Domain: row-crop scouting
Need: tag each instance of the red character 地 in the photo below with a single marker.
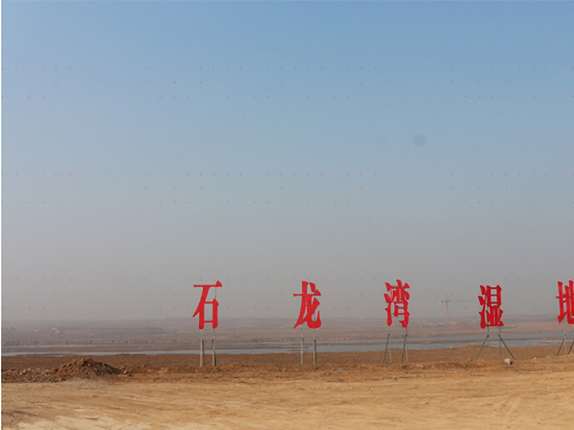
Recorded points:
(490, 300)
(201, 306)
(309, 304)
(566, 300)
(398, 297)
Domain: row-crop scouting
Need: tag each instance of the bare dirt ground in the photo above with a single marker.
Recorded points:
(437, 389)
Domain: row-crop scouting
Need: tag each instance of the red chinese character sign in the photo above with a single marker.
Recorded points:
(490, 300)
(201, 306)
(490, 316)
(566, 300)
(398, 302)
(309, 305)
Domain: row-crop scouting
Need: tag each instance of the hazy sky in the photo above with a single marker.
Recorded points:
(150, 146)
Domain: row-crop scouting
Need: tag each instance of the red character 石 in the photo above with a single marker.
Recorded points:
(309, 305)
(490, 300)
(398, 297)
(201, 306)
(566, 300)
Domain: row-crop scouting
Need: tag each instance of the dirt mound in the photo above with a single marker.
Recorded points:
(83, 368)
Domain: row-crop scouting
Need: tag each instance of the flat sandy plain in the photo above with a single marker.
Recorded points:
(437, 389)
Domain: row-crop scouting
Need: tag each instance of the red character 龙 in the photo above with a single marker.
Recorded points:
(309, 304)
(201, 306)
(398, 297)
(490, 301)
(566, 300)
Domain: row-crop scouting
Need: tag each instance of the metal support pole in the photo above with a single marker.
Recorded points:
(481, 346)
(571, 345)
(213, 348)
(314, 349)
(499, 343)
(562, 343)
(488, 345)
(386, 347)
(201, 346)
(404, 347)
(407, 334)
(502, 340)
(301, 345)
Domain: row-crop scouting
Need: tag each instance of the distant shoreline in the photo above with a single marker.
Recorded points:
(273, 347)
(184, 363)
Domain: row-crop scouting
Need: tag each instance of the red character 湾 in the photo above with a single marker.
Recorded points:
(309, 305)
(566, 300)
(398, 297)
(490, 315)
(201, 306)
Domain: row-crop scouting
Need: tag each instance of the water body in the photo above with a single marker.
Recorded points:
(355, 345)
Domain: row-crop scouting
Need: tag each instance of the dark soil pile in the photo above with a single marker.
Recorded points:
(83, 368)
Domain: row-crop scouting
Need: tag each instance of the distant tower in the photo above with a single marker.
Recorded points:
(446, 301)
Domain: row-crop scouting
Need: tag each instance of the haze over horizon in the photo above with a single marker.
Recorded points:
(150, 146)
(227, 322)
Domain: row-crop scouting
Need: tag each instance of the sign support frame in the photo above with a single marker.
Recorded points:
(387, 348)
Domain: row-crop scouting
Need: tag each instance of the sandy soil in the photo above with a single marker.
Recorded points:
(445, 390)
